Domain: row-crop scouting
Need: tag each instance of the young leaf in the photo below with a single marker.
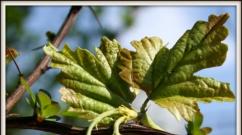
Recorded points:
(43, 99)
(193, 127)
(167, 75)
(50, 110)
(46, 108)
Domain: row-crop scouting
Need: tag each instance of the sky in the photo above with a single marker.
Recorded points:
(168, 23)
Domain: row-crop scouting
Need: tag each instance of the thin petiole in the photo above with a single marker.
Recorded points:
(96, 17)
(117, 124)
(20, 73)
(99, 118)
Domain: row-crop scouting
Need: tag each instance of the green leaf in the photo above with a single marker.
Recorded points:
(180, 107)
(77, 100)
(85, 115)
(92, 82)
(167, 75)
(194, 127)
(43, 99)
(46, 108)
(50, 110)
(136, 66)
(197, 88)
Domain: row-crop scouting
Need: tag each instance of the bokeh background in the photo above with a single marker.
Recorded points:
(26, 28)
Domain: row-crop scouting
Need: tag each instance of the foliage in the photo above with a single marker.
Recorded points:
(41, 103)
(94, 87)
(101, 87)
(19, 35)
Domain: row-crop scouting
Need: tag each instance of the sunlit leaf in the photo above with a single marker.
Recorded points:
(167, 75)
(136, 66)
(92, 82)
(77, 100)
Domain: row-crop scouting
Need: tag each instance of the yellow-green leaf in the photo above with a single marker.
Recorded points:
(92, 82)
(167, 75)
(77, 100)
(136, 67)
(43, 99)
(50, 110)
(193, 127)
(85, 74)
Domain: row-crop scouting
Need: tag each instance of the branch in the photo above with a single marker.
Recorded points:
(18, 93)
(65, 129)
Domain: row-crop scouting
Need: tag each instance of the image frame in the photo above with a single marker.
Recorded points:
(126, 3)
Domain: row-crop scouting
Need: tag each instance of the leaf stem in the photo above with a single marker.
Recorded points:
(117, 124)
(15, 63)
(96, 17)
(99, 118)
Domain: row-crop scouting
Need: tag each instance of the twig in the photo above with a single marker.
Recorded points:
(96, 17)
(18, 93)
(65, 129)
(16, 65)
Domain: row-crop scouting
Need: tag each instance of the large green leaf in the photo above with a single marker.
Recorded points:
(167, 75)
(92, 80)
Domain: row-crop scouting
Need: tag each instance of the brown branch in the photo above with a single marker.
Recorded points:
(18, 93)
(65, 129)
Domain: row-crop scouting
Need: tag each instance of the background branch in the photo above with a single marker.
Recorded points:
(65, 129)
(18, 93)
